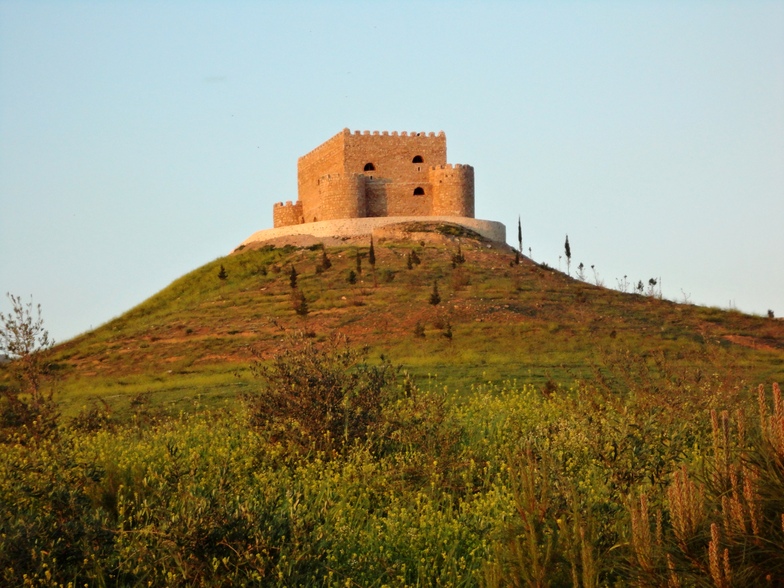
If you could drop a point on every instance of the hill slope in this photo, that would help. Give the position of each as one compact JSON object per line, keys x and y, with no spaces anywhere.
{"x":507,"y":321}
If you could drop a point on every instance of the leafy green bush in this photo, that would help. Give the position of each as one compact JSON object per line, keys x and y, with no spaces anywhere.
{"x":319,"y":397}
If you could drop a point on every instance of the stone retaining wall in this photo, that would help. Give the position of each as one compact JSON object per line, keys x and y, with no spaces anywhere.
{"x":357,"y":227}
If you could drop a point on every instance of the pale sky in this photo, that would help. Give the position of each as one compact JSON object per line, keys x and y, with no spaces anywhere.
{"x":140,"y":140}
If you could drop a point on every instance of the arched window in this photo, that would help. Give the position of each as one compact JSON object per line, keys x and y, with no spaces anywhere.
{"x":418,"y":191}
{"x":369,"y":167}
{"x":417,"y":159}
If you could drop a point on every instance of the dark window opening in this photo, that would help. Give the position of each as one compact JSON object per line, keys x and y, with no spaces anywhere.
{"x":419,"y":191}
{"x":369,"y":167}
{"x":417,"y":159}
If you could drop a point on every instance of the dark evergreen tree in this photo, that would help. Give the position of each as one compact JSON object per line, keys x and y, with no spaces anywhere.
{"x":568,"y":252}
{"x":519,"y":235}
{"x":409,"y":263}
{"x":415,"y":258}
{"x":325,"y":262}
{"x":293,"y":277}
{"x":222,"y":274}
{"x":435,"y":297}
{"x":299,"y":302}
{"x":352,"y":277}
{"x":372,"y":254}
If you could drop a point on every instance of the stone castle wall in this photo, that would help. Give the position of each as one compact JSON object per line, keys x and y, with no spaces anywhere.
{"x":284,"y":215}
{"x":358,"y":227}
{"x":380,"y":174}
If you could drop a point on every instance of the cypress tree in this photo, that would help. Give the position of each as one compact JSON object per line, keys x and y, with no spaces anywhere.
{"x":519,"y":235}
{"x":435,"y":297}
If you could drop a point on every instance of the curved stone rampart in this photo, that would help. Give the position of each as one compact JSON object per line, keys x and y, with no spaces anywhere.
{"x":356,"y":227}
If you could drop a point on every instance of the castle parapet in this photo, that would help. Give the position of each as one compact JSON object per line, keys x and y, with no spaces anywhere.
{"x":285,"y":215}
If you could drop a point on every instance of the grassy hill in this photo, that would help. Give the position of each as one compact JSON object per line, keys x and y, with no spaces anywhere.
{"x":628,"y":452}
{"x":508,"y":321}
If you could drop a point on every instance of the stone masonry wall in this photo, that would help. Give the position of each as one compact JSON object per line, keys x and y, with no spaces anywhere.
{"x":284,"y":215}
{"x":325,"y":159}
{"x":354,"y":227}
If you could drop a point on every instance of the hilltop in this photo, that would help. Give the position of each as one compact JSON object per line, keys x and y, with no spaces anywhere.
{"x":507,"y":321}
{"x":497,"y":320}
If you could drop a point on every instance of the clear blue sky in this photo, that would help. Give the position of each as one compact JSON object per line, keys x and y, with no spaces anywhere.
{"x":140,"y":140}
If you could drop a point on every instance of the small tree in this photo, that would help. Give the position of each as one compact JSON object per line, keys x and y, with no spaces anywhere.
{"x":771,"y":314}
{"x":519,"y":235}
{"x":372,"y":261}
{"x":299,"y":302}
{"x":222,"y":275}
{"x":447,"y":332}
{"x":415,"y":258}
{"x":359,"y":263}
{"x":458,"y":258}
{"x":352,"y":277}
{"x":325,"y":262}
{"x":24,"y":340}
{"x":293,"y":277}
{"x":581,"y":272}
{"x":568,"y":253}
{"x":409,"y":263}
{"x":435,"y":297}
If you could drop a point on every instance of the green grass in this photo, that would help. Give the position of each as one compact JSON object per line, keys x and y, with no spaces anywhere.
{"x":518,"y":322}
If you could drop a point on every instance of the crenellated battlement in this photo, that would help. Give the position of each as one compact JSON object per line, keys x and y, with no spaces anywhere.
{"x":397,"y":134}
{"x":451,"y":166}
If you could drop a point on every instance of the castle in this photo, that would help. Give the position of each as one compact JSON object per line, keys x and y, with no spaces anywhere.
{"x":362,"y":175}
{"x":357,"y":184}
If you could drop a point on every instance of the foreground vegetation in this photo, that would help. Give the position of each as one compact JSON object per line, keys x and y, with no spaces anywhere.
{"x":337,"y":472}
{"x":222,"y":434}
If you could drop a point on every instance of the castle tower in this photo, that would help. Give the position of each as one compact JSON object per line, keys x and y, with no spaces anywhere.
{"x":285,"y":215}
{"x":453,"y":190}
{"x":339,"y":196}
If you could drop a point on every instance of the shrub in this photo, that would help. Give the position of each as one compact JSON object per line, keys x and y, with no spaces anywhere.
{"x":25,"y":340}
{"x":319,"y":397}
{"x":387,"y":275}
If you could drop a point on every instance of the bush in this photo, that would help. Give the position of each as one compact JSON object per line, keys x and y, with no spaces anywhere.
{"x":319,"y":397}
